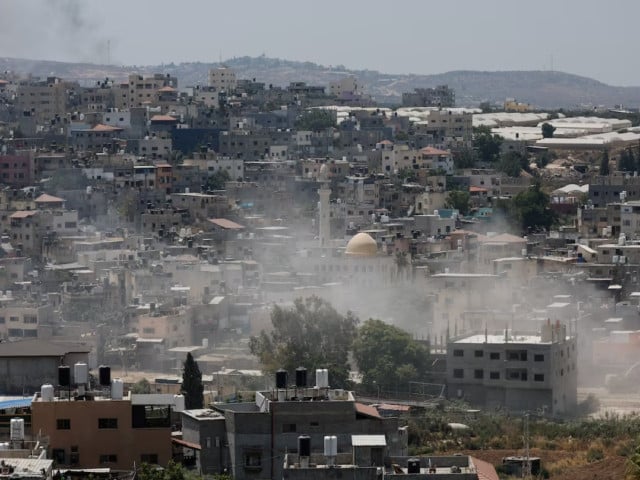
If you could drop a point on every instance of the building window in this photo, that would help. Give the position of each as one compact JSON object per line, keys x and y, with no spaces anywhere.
{"x":289,"y":428}
{"x":538,"y":357}
{"x":458,"y":373}
{"x":63,"y":424}
{"x":59,"y":456}
{"x":458,"y":353}
{"x":478,"y":374}
{"x":108,"y":458}
{"x":253,"y":460}
{"x":494,"y":375}
{"x":151,"y":458}
{"x":2,"y":320}
{"x":517,"y":355}
{"x":478,"y":353}
{"x":107,"y":423}
{"x":13,"y":319}
{"x":494,"y":356}
{"x":538,"y":377}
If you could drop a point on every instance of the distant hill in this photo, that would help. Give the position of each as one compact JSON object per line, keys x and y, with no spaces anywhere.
{"x":544,"y":89}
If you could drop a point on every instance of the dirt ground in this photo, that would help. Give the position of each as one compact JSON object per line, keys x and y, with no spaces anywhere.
{"x":611,"y":468}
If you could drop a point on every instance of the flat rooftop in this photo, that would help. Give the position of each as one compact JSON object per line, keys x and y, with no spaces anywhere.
{"x":500,"y":339}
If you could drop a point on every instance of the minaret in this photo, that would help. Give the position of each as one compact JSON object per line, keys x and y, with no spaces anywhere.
{"x":324,"y":222}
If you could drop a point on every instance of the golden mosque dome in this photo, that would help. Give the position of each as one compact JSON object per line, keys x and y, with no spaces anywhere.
{"x":363,"y":245}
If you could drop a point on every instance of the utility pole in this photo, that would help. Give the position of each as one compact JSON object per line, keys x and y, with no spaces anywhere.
{"x":526,"y":469}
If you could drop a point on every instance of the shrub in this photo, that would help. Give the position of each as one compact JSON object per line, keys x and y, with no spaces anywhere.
{"x":594,"y":455}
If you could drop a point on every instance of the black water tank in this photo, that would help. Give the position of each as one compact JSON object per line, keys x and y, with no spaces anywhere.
{"x":64,"y":375}
{"x":104,"y":374}
{"x":304,"y":446}
{"x":413,"y":465}
{"x":301,"y":377}
{"x":281,"y":379}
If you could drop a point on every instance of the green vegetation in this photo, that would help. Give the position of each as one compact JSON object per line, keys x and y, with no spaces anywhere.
{"x":465,"y":158}
{"x":547,"y":130}
{"x":311,"y":334}
{"x":604,"y":163}
{"x":512,"y":163}
{"x":142,"y":386}
{"x":387,"y":356}
{"x":173,"y":471}
{"x":532,"y":209}
{"x":192,"y":387}
{"x":460,"y":200}
{"x":316,"y":120}
{"x":627,"y":161}
{"x":486,"y":144}
{"x":217,"y":180}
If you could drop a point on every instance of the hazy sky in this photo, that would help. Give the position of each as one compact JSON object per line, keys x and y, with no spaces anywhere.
{"x":585,"y":37}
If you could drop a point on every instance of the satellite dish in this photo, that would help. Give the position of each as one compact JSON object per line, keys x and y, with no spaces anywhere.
{"x":82,"y":116}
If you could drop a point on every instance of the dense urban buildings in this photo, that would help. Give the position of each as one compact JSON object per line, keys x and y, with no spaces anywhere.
{"x":144,"y":221}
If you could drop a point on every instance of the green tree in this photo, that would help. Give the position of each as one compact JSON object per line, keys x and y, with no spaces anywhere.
{"x":465,"y":158}
{"x":512,"y":163}
{"x":217,"y":180}
{"x":192,"y":387}
{"x":311,"y":334}
{"x":627,"y":161}
{"x":531,"y":208}
{"x":547,"y":130}
{"x":387,"y":356}
{"x":486,"y":144}
{"x":316,"y":120}
{"x":604,"y":163}
{"x":142,"y":386}
{"x":633,"y":465}
{"x":458,"y":199}
{"x":543,"y":159}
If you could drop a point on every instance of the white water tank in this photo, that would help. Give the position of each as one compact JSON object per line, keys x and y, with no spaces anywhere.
{"x":47,"y":392}
{"x":117,"y":389}
{"x":327,"y":446}
{"x":16,"y":431}
{"x":322,"y":378}
{"x":178,"y":403}
{"x":81,"y":373}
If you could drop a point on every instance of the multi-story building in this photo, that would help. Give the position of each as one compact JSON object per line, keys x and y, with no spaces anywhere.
{"x":251,"y":439}
{"x":87,"y":431}
{"x":517,"y":371}
{"x":17,"y":169}
{"x":223,"y":79}
{"x":445,"y":129}
{"x":440,"y":96}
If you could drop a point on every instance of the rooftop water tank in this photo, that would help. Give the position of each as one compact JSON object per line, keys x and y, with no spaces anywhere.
{"x":81,"y":373}
{"x":47,"y":392}
{"x":117,"y":389}
{"x":16,"y":431}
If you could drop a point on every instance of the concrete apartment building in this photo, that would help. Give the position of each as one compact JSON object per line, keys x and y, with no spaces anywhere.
{"x":28,"y":364}
{"x":223,"y":79}
{"x":90,"y":431}
{"x":446,"y":129}
{"x":251,"y":439}
{"x":440,"y":96}
{"x":515,"y":371}
{"x":45,"y":99}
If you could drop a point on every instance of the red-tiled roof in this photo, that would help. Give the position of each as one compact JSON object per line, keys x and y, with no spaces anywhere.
{"x":367,"y":410}
{"x":167,"y":89}
{"x":477,"y":189}
{"x":23,"y":214}
{"x":433,"y":151}
{"x":386,"y":142}
{"x":105,"y":128}
{"x":485,"y":470}
{"x":163,"y":118}
{"x":226,"y":224}
{"x":46,"y":198}
{"x":184,"y":443}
